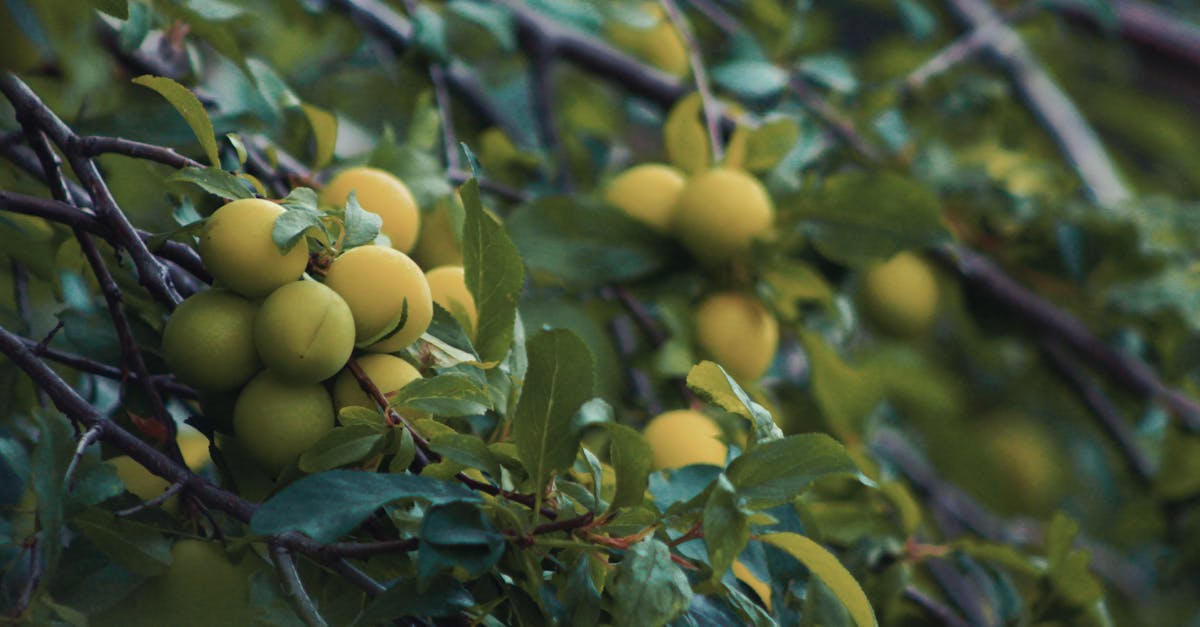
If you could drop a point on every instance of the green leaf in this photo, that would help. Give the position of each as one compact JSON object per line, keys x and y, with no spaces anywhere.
{"x":777,"y":472}
{"x":826,"y":567}
{"x":362,"y":226}
{"x":726,"y":527}
{"x":580,"y":595}
{"x":186,"y":103}
{"x":215,"y":181}
{"x":751,"y":80}
{"x":859,"y":218}
{"x":457,"y":535}
{"x":845,"y":395}
{"x":648,"y":588}
{"x":354,"y":416}
{"x":586,"y":244}
{"x":324,"y":128}
{"x":330,"y":504}
{"x":467,"y":450}
{"x":559,"y":380}
{"x":632,"y":460}
{"x":714,"y":385}
{"x":450,"y":394}
{"x":340,"y":447}
{"x":50,"y":457}
{"x":292,"y":225}
{"x":1069,"y":567}
{"x":493,"y":275}
{"x":791,"y":283}
{"x":135,"y":546}
{"x":116,"y":8}
{"x":685,"y":136}
{"x":429,"y":32}
{"x":831,"y":71}
{"x":496,"y":20}
{"x":444,"y":596}
{"x":768,"y":144}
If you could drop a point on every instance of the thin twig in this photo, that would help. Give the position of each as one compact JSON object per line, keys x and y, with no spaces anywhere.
{"x":96,"y":145}
{"x":172,"y":490}
{"x":964,"y":48}
{"x":289,"y":577}
{"x":1147,"y":24}
{"x":89,"y":438}
{"x":658,"y":337}
{"x":541,"y":94}
{"x":712,"y":114}
{"x":841,"y":126}
{"x":168,"y":383}
{"x":441,"y":94}
{"x":1058,"y":114}
{"x":1094,"y":399}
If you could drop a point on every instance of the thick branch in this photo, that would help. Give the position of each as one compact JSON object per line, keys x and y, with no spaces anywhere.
{"x":1147,"y":25}
{"x":1049,"y":103}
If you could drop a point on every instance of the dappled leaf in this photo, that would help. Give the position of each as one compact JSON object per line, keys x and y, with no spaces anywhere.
{"x":648,"y":588}
{"x":493,"y":275}
{"x":776,"y":472}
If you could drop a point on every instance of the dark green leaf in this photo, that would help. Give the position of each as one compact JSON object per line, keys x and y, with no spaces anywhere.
{"x":726,"y":527}
{"x":116,"y":8}
{"x":292,"y":225}
{"x":457,"y":535}
{"x":831,"y":71}
{"x":778,"y":471}
{"x":752,"y":80}
{"x":215,"y":181}
{"x":136,"y":547}
{"x":330,"y":504}
{"x":560,"y":378}
{"x":468,"y":450}
{"x":632,"y":461}
{"x":340,"y":447}
{"x":430,"y":32}
{"x":186,"y":103}
{"x":586,"y":244}
{"x":648,"y":588}
{"x":497,"y":20}
{"x":580,"y":595}
{"x":859,"y":218}
{"x":493,"y":275}
{"x":445,"y":596}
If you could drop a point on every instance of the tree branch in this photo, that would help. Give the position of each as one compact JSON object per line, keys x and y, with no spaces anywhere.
{"x":712,"y":112}
{"x":304,"y":605}
{"x":1058,"y":114}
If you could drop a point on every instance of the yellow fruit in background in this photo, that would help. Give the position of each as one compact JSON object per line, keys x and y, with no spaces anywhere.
{"x":387,"y":293}
{"x":194,"y":447}
{"x":141,"y":482}
{"x":18,"y":53}
{"x":209,"y":340}
{"x":720,"y":212}
{"x":275,"y":421}
{"x":657,"y":42}
{"x":438,"y":244}
{"x":201,"y":588}
{"x":900,"y":296}
{"x":388,"y":372}
{"x":683,"y":437}
{"x":379,"y":192}
{"x":760,"y":587}
{"x":738,"y":332}
{"x":648,"y":193}
{"x":237,"y":248}
{"x":1024,"y":455}
{"x":304,"y":332}
{"x":448,"y":287}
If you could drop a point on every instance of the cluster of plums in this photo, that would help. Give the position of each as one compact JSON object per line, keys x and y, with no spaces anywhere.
{"x":274,"y":336}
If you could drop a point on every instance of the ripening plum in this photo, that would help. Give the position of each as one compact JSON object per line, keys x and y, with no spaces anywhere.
{"x":141,"y":482}
{"x":448,"y":286}
{"x":209,"y":340}
{"x":387,"y":294}
{"x":720,"y":212}
{"x":684,"y":437}
{"x":304,"y":332}
{"x":438,"y":244}
{"x":659,"y":42}
{"x":900,"y":296}
{"x":237,"y":248}
{"x":738,"y":332}
{"x":379,"y":192}
{"x":648,"y":193}
{"x":275,"y":421}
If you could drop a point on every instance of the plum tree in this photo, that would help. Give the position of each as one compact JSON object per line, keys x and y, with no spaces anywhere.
{"x":387,"y":294}
{"x":209,"y":340}
{"x":304,"y":332}
{"x":900,"y":296}
{"x":388,"y":372}
{"x":683,"y":437}
{"x":738,"y":332}
{"x":379,"y":192}
{"x":647,"y":192}
{"x":237,"y":248}
{"x":720,"y":212}
{"x":275,"y":421}
{"x":141,"y":482}
{"x":448,"y":287}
